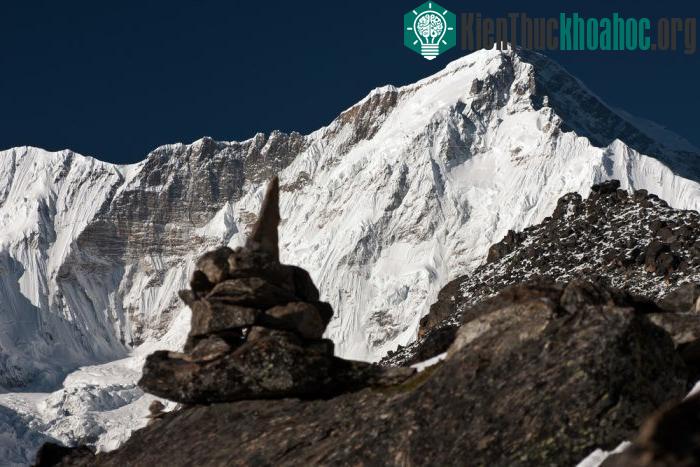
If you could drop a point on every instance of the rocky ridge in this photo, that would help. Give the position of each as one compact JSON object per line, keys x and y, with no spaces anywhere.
{"x":629,"y":241}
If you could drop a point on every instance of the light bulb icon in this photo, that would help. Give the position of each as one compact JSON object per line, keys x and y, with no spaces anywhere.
{"x":429,"y":29}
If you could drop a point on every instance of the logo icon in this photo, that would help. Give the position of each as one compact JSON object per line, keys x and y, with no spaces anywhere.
{"x":429,"y":30}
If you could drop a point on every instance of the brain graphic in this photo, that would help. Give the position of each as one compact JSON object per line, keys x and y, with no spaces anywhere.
{"x":430,"y":25}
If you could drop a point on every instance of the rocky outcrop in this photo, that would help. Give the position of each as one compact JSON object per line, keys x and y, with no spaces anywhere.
{"x":628,"y":241}
{"x":509,"y":243}
{"x":541,"y":374}
{"x":631,"y":241}
{"x":257,"y":330}
{"x":443,"y":308}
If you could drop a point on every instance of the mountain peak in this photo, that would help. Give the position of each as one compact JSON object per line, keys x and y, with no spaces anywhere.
{"x":400,"y":194}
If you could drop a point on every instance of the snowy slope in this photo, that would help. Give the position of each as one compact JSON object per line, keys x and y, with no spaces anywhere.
{"x":98,"y":404}
{"x":46,"y":200}
{"x":402,"y":192}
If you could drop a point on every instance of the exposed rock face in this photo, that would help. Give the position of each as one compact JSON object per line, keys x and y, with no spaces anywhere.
{"x":670,"y":438}
{"x":633,"y":242}
{"x":152,"y":221}
{"x":257,"y":328}
{"x":99,"y":245}
{"x":539,"y":375}
{"x":443,"y":308}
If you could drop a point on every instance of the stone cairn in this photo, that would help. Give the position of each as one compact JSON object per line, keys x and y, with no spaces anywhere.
{"x":257,"y":328}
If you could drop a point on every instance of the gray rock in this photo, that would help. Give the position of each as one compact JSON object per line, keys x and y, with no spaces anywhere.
{"x":259,"y":332}
{"x":300,"y":317}
{"x":155,"y":411}
{"x":233,"y":337}
{"x":579,"y":294}
{"x":156,"y":408}
{"x":212,"y":316}
{"x":324,"y":346}
{"x":187,"y":296}
{"x":271,"y":366}
{"x":326,"y":311}
{"x":683,"y":327}
{"x":683,"y":298}
{"x":244,"y":262}
{"x":303,"y":285}
{"x":443,"y":308}
{"x":207,"y":349}
{"x":215,"y":265}
{"x":251,"y":292}
{"x":200,"y":286}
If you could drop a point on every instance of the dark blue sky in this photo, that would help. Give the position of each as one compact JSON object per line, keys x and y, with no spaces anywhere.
{"x":116,"y":79}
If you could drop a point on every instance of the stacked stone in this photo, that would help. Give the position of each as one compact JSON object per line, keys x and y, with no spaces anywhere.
{"x":257,"y":330}
{"x":242,"y":294}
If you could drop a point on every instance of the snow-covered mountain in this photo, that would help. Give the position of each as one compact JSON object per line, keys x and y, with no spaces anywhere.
{"x":401,"y":193}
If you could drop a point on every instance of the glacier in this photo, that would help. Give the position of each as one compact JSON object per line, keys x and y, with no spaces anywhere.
{"x":401,"y":193}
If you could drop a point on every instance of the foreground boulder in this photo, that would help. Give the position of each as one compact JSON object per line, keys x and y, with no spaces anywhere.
{"x":257,"y":330}
{"x":541,"y":374}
